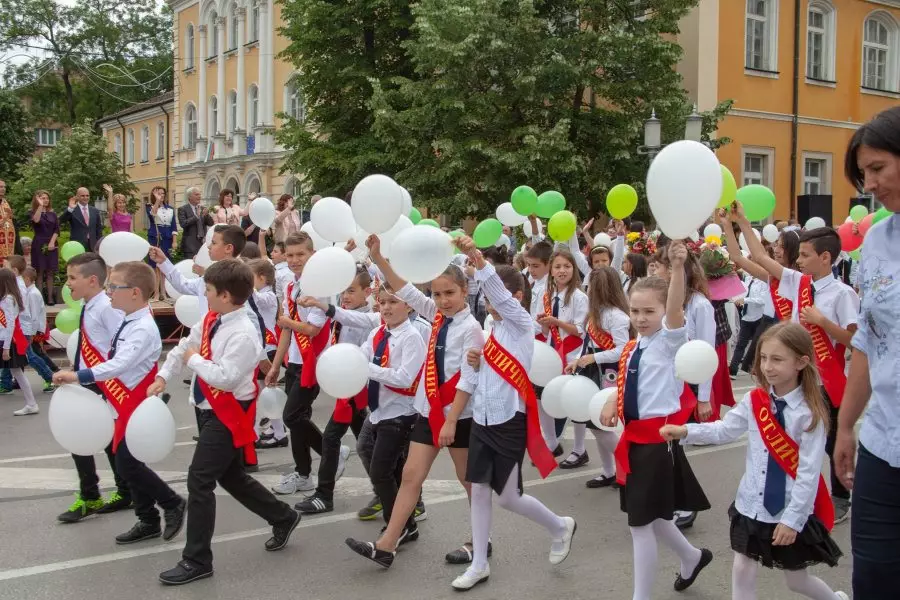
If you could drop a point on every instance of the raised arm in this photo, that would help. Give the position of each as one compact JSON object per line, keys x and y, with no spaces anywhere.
{"x":374,"y":245}
{"x":734,"y":248}
{"x":757,"y":252}
{"x":675,"y":300}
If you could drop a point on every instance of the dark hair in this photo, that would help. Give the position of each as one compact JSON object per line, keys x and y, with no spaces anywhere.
{"x":605,"y":292}
{"x":232,"y":276}
{"x":637,"y":227}
{"x":165,"y":192}
{"x":455,"y":274}
{"x":282,"y":202}
{"x":234,"y":236}
{"x":363,"y":278}
{"x":9,"y":287}
{"x":279,"y":245}
{"x":17,"y":262}
{"x":251,"y":251}
{"x":790,"y":248}
{"x":823,"y":239}
{"x":601,"y":250}
{"x":694,"y":277}
{"x":300,"y":238}
{"x":137,"y":274}
{"x":496,"y":255}
{"x":264,"y":269}
{"x":638,"y":264}
{"x":881,"y":133}
{"x":88,"y":264}
{"x":574,"y":283}
{"x":541,"y":251}
{"x":514,"y":281}
{"x":222,"y":194}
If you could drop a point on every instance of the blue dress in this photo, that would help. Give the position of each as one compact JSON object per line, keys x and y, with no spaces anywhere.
{"x":161,"y":227}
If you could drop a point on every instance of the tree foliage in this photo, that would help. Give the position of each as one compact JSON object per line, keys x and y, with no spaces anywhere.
{"x":16,"y":142}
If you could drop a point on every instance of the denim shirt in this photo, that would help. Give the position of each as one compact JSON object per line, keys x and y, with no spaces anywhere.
{"x":878,"y":337}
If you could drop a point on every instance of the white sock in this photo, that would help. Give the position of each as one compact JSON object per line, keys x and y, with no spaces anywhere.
{"x":743,"y":578}
{"x":606,"y":445}
{"x":646,"y":558}
{"x":25,"y":386}
{"x":801,"y":582}
{"x":671,"y":536}
{"x":481,"y":524}
{"x":530,"y":507}
{"x":277,"y":428}
{"x":580,"y":430}
{"x":548,"y":428}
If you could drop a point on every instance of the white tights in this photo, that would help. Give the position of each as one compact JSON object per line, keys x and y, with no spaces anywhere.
{"x":646,"y":555}
{"x":527,"y":506}
{"x":743,"y":581}
{"x":548,"y":428}
{"x":24,"y":385}
{"x":606,"y":445}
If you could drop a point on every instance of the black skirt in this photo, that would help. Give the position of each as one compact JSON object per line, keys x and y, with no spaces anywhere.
{"x":495,"y":450}
{"x":660,"y":483}
{"x":422,"y":434}
{"x":753,"y":539}
{"x":16,"y":360}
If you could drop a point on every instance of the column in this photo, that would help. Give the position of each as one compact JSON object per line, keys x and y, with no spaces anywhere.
{"x":263,"y":91}
{"x":270,"y":58}
{"x":240,"y":128}
{"x":221,"y":101}
{"x":202,"y":99}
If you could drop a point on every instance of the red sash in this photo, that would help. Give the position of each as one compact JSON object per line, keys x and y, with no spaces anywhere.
{"x":643,"y":431}
{"x":829,"y":358}
{"x":271,"y":338}
{"x":18,"y":338}
{"x":561,"y":345}
{"x":602,"y":340}
{"x":786,"y":452}
{"x":783,"y":307}
{"x":345,"y":407}
{"x":386,"y":362}
{"x":310,"y":348}
{"x":227,"y":408}
{"x":438,"y":396}
{"x":511,"y":370}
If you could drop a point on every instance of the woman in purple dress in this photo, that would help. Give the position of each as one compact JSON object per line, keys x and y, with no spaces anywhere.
{"x":119,"y":217}
{"x":44,"y":250}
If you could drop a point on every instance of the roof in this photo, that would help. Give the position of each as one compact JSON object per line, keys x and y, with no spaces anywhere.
{"x":160,"y":100}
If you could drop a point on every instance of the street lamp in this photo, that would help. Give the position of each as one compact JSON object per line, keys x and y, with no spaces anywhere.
{"x":693,"y":130}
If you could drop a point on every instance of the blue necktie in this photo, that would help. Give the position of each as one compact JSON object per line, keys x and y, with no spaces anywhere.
{"x":262,"y":323}
{"x":80,"y":329}
{"x":374,"y":386}
{"x":631,"y":385}
{"x":439,"y":349}
{"x":555,"y":313}
{"x":115,"y":340}
{"x":199,"y":398}
{"x":776,"y":478}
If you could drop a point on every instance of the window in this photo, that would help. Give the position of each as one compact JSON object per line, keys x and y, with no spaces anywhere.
{"x":232,"y":112}
{"x":761,"y":35}
{"x":213,"y":34}
{"x":252,"y":107}
{"x":190,"y":127}
{"x":161,"y":141}
{"x":294,"y":101}
{"x":213,"y":115}
{"x":754,"y":169}
{"x":145,"y":143}
{"x":816,"y":173}
{"x":189,"y":48}
{"x":820,"y":41}
{"x":233,"y":31}
{"x":881,"y":53}
{"x":129,"y":148}
{"x":47,"y":137}
{"x":117,"y":144}
{"x":254,"y":22}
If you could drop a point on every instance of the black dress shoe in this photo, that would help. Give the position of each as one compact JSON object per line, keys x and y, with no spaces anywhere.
{"x":174,"y":519}
{"x":140,"y":532}
{"x":368,"y":550}
{"x":282,"y":533}
{"x":682,"y":584}
{"x":464,"y":554}
{"x":264,"y":443}
{"x":575,"y":460}
{"x":602,"y":482}
{"x":558,"y":451}
{"x":686,"y":522}
{"x":184,"y":572}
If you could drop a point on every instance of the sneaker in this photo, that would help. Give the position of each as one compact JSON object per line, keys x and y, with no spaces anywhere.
{"x":292,"y":483}
{"x":559,"y":550}
{"x":342,"y":462}
{"x":174,"y":519}
{"x":49,"y":387}
{"x":28,"y":409}
{"x":841,"y":509}
{"x":419,"y":514}
{"x":733,"y":377}
{"x":264,"y":443}
{"x":471,"y":578}
{"x":408,"y":535}
{"x":371,"y":510}
{"x":5,"y":390}
{"x":314,"y":505}
{"x":185,"y":572}
{"x":80,"y":509}
{"x":140,"y":532}
{"x":282,"y":533}
{"x":368,"y":550}
{"x":115,"y":503}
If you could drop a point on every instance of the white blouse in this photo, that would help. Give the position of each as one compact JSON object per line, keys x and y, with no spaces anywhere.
{"x":701,"y":325}
{"x":574,"y":311}
{"x":617,"y":324}
{"x":659,"y":389}
{"x":164,"y":215}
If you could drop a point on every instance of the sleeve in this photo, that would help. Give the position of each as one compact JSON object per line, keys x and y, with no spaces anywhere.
{"x":806,"y":484}
{"x":705,"y":329}
{"x":411,"y":359}
{"x":847,"y":307}
{"x":355,"y":318}
{"x":674,"y":338}
{"x":729,"y":428}
{"x":6,"y":333}
{"x":419,"y":302}
{"x":316,"y":317}
{"x":619,"y":329}
{"x":618,"y":253}
{"x":789,"y":287}
{"x":239,"y":359}
{"x":503,"y":302}
{"x":860,"y":339}
{"x":468,"y":379}
{"x":186,"y":216}
{"x":112,"y":319}
{"x":175,"y":359}
{"x":66,"y":215}
{"x":129,"y":352}
{"x":583,"y":265}
{"x":757,"y":294}
{"x":579,"y":310}
{"x":189,"y":287}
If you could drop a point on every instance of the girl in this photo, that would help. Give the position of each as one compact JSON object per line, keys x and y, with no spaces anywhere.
{"x":505,"y":419}
{"x":562,"y":325}
{"x":635,"y":268}
{"x":13,"y":341}
{"x":656,"y":477}
{"x":608,"y":329}
{"x":454,"y":331}
{"x":782,"y":518}
{"x":46,"y":234}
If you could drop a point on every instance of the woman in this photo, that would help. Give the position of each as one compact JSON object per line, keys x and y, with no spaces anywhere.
{"x":44,"y":250}
{"x":251,"y":231}
{"x":287,"y":219}
{"x":119,"y":218}
{"x":161,"y":229}
{"x":872,"y":164}
{"x":227,"y":213}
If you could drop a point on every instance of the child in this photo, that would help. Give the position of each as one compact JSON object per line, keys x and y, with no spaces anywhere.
{"x":753,"y":306}
{"x":634,"y":268}
{"x":14,"y":342}
{"x":124,"y":378}
{"x":283,"y":275}
{"x":506,"y":422}
{"x":780,"y":519}
{"x":608,"y":329}
{"x":304,"y":335}
{"x":251,"y":251}
{"x":656,"y":477}
{"x":537,"y":260}
{"x":223,"y":351}
{"x":34,"y":303}
{"x":827,"y":308}
{"x":16,"y":264}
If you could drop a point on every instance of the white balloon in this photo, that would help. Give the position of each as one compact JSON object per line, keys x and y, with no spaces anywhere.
{"x":171,"y":291}
{"x":270,"y":403}
{"x":526,"y":228}
{"x":576,"y":398}
{"x":696,"y":362}
{"x":209,"y":235}
{"x":58,"y":339}
{"x":815,"y":223}
{"x":770,"y":233}
{"x":328,"y":272}
{"x":186,"y":268}
{"x":80,"y":420}
{"x":503,"y":241}
{"x":150,"y":433}
{"x":743,"y":241}
{"x":598,"y":401}
{"x":507,"y":215}
{"x":123,"y":246}
{"x":684,"y":185}
{"x":72,"y":346}
{"x":712,"y":230}
{"x":187,"y":310}
{"x":489,"y":326}
{"x":551,"y":398}
{"x":387,"y":238}
{"x":333,"y":220}
{"x":602,"y":239}
{"x":407,"y":202}
{"x":342,"y":370}
{"x":377,"y":202}
{"x":262,"y":213}
{"x":545,"y":364}
{"x":202,"y":258}
{"x":421,"y":253}
{"x":695,"y":236}
{"x":318,"y":241}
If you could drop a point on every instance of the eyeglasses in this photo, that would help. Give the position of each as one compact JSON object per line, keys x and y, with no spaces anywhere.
{"x":110,"y":288}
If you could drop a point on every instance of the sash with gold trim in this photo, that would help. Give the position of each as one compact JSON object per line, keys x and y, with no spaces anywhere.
{"x":829,"y":358}
{"x":18,"y":337}
{"x":438,"y":395}
{"x":783,"y":307}
{"x":602,"y":339}
{"x":563,"y":346}
{"x":310,"y":348}
{"x":386,"y":362}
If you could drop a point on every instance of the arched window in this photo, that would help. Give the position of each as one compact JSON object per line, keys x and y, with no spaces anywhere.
{"x":233,"y":30}
{"x":254,"y":22}
{"x":232,"y":112}
{"x":189,"y":47}
{"x":761,"y":35}
{"x":129,"y":148}
{"x":190,"y":127}
{"x":820,"y":41}
{"x":881,"y":53}
{"x":145,"y":143}
{"x":252,"y":107}
{"x":161,"y":140}
{"x":117,"y":144}
{"x":213,"y":114}
{"x":293,"y":104}
{"x":213,"y":42}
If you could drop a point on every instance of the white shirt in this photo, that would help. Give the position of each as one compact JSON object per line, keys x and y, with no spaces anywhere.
{"x":267,"y":305}
{"x":659,"y":390}
{"x":406,"y":354}
{"x":137,"y":351}
{"x":463,"y":334}
{"x":165,"y":215}
{"x":187,"y":287}
{"x":313,"y":316}
{"x":574,"y":311}
{"x":755,"y":300}
{"x":101,"y":322}
{"x":235,"y":353}
{"x":618,"y":325}
{"x":701,"y":325}
{"x":800,"y":493}
{"x":283,"y":276}
{"x":10,"y":310}
{"x":34,"y":318}
{"x":835,"y":300}
{"x":538,"y":288}
{"x":353,"y":333}
{"x":494,"y":401}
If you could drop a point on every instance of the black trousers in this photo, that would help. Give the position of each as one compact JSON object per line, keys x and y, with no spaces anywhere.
{"x":331,"y":450}
{"x":391,"y":440}
{"x":837,"y":488}
{"x":147,"y":489}
{"x":875,"y":528}
{"x":305,"y":435}
{"x":88,"y":480}
{"x":741,"y":358}
{"x":216,"y":460}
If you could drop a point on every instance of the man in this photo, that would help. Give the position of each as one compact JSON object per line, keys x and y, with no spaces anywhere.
{"x":194,"y":220}
{"x":9,"y":233}
{"x":86,"y":224}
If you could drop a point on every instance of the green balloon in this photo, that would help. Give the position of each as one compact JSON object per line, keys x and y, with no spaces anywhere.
{"x":758,"y":201}
{"x":429,"y":223}
{"x":524,"y":200}
{"x":415,"y":216}
{"x":881,"y":214}
{"x":561,"y":226}
{"x":621,"y":201}
{"x":549,"y":203}
{"x":69,"y":300}
{"x":487,"y":233}
{"x":71,"y":249}
{"x":729,"y":188}
{"x":856,"y":254}
{"x":858,"y":213}
{"x":67,"y":319}
{"x":456,"y":233}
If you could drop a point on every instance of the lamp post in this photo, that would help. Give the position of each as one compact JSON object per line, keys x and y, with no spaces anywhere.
{"x":693,"y":130}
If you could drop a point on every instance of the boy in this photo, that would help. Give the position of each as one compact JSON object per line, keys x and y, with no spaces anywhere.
{"x":283,"y":275}
{"x":124,"y":378}
{"x":223,"y":351}
{"x":828,"y":309}
{"x":86,"y":276}
{"x":38,"y":311}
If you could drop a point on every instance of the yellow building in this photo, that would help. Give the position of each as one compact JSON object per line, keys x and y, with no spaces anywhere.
{"x":790,"y":130}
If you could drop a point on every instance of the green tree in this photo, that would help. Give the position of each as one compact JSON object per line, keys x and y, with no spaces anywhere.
{"x":16,"y":142}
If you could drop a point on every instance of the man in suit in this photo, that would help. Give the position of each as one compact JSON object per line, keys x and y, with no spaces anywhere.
{"x":85,"y":222}
{"x":194,"y":220}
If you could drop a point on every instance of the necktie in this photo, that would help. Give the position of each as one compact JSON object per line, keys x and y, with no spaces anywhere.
{"x":631,"y":385}
{"x":439,"y":349}
{"x":85,"y":214}
{"x":555,"y":313}
{"x":199,"y":398}
{"x":773,"y":494}
{"x":374,"y":386}
{"x":80,"y":329}
{"x":115,"y":340}
{"x":262,"y":323}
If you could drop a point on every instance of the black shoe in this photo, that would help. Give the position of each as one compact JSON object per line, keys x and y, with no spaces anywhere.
{"x":682,"y":584}
{"x":266,"y":436}
{"x":264,"y":443}
{"x":463,"y":555}
{"x":686,"y":522}
{"x":186,"y":381}
{"x":408,"y":535}
{"x":264,"y":422}
{"x":174,"y":519}
{"x":282,"y":533}
{"x":575,"y":460}
{"x":314,"y":505}
{"x":602,"y":482}
{"x":196,"y":438}
{"x":184,"y":572}
{"x":558,"y":451}
{"x":368,"y":549}
{"x":116,"y":503}
{"x":140,"y":532}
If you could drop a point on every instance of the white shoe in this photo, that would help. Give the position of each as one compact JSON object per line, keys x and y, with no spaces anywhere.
{"x":471,"y":578}
{"x":342,"y":462}
{"x":559,"y":550}
{"x":842,"y":596}
{"x":293,"y":483}
{"x":27,"y":410}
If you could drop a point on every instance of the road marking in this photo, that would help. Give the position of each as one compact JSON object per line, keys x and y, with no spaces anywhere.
{"x":8,"y":461}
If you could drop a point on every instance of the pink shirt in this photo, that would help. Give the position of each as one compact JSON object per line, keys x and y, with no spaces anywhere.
{"x":120,"y":222}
